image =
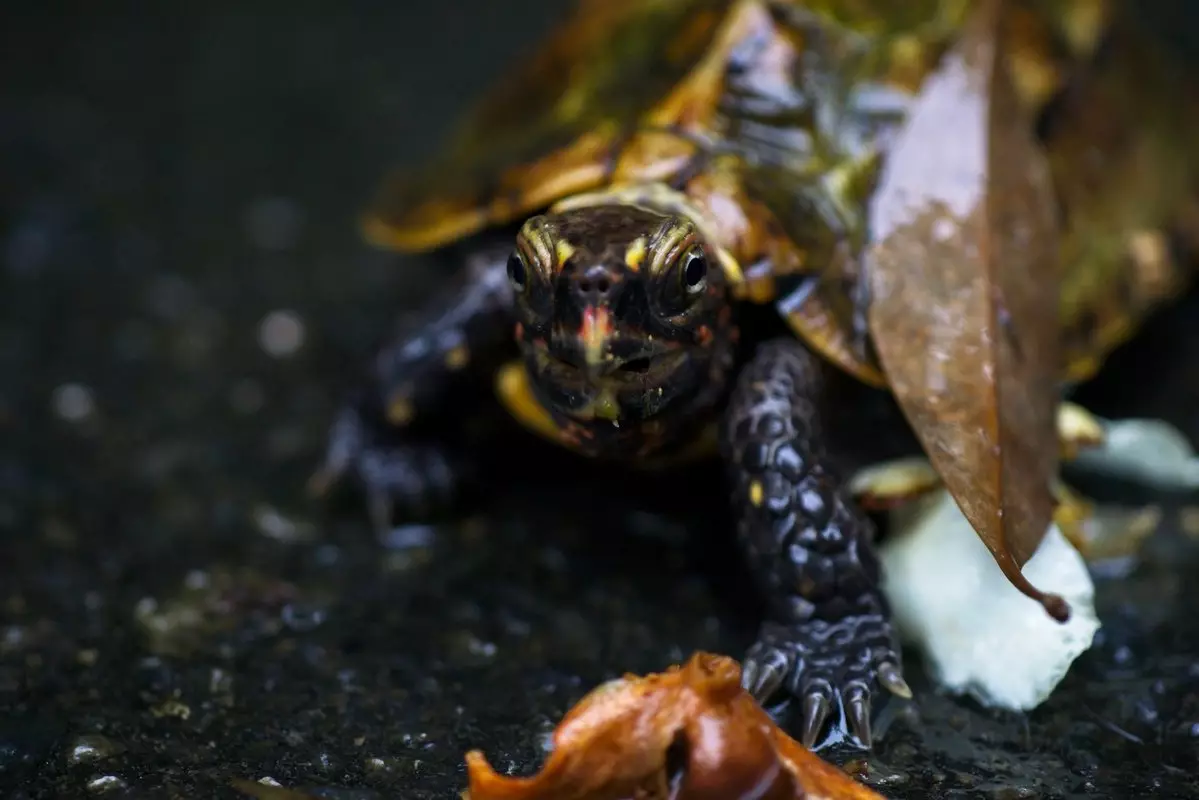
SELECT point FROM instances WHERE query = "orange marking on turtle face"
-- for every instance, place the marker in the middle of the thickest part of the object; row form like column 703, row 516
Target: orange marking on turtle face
column 704, row 335
column 597, row 328
column 518, row 332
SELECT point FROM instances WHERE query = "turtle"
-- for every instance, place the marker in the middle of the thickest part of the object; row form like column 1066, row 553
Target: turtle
column 654, row 174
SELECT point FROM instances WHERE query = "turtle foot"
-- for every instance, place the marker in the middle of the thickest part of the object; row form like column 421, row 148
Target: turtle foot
column 412, row 480
column 833, row 669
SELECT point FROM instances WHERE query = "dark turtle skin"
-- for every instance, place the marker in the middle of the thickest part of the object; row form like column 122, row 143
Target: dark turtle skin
column 621, row 318
column 665, row 163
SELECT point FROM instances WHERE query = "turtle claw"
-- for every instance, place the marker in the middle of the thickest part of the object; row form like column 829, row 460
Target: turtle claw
column 827, row 667
column 764, row 673
column 816, row 705
column 892, row 680
column 406, row 478
column 858, row 712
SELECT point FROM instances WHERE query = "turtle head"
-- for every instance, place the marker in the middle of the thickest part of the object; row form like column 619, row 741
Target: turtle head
column 623, row 312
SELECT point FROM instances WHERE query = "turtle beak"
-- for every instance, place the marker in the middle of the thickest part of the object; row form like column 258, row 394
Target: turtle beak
column 595, row 335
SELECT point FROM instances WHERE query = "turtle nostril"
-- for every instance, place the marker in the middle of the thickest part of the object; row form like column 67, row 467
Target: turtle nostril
column 599, row 286
column 595, row 285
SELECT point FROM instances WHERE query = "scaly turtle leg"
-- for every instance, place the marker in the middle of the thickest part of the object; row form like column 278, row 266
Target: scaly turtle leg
column 374, row 439
column 828, row 638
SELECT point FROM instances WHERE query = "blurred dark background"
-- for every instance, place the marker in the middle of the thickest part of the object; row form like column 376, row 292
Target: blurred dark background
column 183, row 295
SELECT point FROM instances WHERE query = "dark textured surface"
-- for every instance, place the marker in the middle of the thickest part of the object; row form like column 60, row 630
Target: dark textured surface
column 174, row 613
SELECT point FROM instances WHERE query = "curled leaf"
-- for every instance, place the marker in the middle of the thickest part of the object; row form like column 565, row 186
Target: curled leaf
column 964, row 288
column 690, row 733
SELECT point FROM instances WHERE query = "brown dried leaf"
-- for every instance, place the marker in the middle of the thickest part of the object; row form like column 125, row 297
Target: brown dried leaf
column 690, row 733
column 964, row 295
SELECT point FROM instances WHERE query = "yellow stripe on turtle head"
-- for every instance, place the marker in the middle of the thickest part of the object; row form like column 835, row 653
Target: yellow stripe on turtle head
column 563, row 250
column 660, row 199
column 634, row 256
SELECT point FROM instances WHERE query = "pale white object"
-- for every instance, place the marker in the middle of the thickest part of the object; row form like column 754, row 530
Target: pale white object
column 980, row 636
column 1147, row 451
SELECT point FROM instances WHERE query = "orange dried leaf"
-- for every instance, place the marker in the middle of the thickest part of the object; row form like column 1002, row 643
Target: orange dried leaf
column 964, row 287
column 690, row 733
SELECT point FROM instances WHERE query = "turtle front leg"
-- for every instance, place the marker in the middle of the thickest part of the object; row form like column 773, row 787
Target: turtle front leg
column 385, row 439
column 828, row 637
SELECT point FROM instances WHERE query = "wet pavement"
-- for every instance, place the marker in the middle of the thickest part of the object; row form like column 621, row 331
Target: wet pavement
column 182, row 293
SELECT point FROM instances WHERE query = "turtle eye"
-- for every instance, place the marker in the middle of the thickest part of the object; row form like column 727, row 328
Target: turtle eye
column 694, row 274
column 518, row 275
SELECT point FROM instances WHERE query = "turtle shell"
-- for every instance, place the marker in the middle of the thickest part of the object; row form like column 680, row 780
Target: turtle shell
column 772, row 117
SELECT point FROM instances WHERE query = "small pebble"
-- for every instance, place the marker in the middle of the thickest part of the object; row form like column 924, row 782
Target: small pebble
column 302, row 618
column 92, row 747
column 220, row 681
column 478, row 647
column 273, row 525
column 376, row 764
column 172, row 709
column 105, row 783
column 281, row 333
column 73, row 402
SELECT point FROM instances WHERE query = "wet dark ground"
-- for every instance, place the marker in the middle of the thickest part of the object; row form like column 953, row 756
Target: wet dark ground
column 183, row 292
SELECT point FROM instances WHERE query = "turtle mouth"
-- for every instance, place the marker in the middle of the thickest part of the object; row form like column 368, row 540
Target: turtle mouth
column 615, row 372
column 617, row 389
column 636, row 366
column 648, row 369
